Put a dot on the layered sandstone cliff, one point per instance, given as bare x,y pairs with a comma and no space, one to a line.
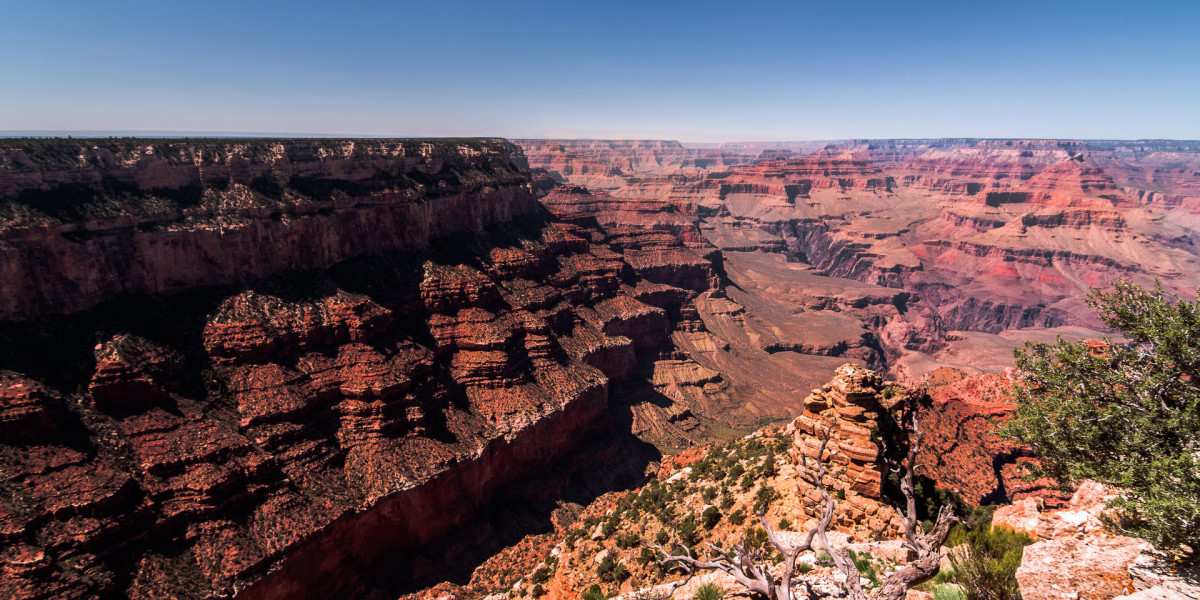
337,415
83,221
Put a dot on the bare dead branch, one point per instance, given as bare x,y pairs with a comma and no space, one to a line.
750,570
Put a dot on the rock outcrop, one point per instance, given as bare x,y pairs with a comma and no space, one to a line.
847,411
1075,556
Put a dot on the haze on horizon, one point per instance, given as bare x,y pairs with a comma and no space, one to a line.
693,71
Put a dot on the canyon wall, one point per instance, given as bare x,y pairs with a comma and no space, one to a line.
216,386
355,368
84,221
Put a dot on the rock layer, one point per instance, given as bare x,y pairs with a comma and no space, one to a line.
84,221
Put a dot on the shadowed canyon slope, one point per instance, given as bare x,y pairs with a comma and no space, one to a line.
236,368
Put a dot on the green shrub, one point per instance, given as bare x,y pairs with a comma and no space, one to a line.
689,532
804,567
612,571
537,591
1124,415
784,523
738,516
756,537
866,566
748,480
609,526
593,593
737,470
986,567
709,591
542,575
710,517
765,496
628,540
947,592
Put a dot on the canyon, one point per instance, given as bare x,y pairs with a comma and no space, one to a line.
997,241
359,368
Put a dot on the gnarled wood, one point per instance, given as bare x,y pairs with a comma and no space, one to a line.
752,572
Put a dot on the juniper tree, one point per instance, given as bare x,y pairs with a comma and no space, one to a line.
1124,414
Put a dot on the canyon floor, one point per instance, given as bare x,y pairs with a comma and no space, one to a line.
375,368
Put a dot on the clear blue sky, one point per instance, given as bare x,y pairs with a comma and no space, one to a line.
698,71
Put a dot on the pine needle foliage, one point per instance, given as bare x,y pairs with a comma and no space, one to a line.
1126,415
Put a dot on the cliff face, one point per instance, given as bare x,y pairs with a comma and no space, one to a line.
81,222
337,397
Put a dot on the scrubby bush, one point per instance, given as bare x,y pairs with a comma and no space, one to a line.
628,540
738,516
609,526
593,593
710,517
766,495
947,592
709,591
866,565
612,571
689,533
986,565
661,537
727,501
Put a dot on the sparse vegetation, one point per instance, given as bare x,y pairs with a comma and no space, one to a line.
611,570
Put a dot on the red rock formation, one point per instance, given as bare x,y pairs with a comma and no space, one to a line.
848,409
965,453
258,440
605,164
227,212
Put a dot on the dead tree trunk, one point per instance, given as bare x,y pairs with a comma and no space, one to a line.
753,572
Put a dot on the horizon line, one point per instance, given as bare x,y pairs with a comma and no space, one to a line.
170,134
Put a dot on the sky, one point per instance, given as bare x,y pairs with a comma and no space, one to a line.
695,71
